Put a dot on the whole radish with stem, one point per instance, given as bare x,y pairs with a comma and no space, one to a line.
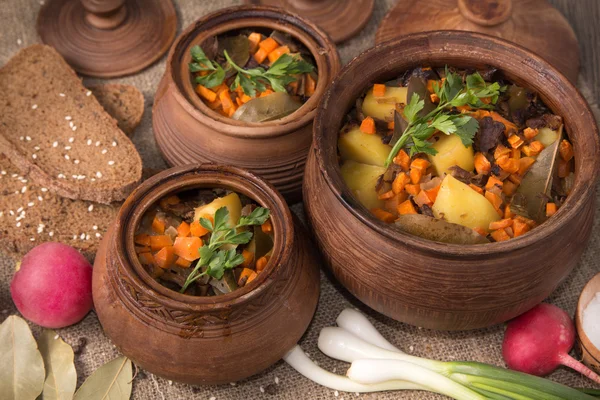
539,341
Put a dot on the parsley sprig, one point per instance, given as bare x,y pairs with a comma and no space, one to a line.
452,93
215,260
280,74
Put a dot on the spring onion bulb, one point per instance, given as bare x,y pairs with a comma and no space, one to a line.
356,323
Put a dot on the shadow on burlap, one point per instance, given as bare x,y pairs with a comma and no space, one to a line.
482,345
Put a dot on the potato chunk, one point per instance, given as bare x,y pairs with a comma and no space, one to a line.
361,180
450,152
459,204
363,148
547,136
231,201
383,107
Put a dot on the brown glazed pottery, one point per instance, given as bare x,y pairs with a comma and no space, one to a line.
205,340
432,284
188,131
590,354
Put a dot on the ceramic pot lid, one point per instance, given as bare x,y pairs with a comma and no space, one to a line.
341,19
533,24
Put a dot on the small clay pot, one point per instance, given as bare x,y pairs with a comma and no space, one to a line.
205,340
590,354
438,285
188,131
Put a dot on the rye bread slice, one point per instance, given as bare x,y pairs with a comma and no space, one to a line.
58,135
31,214
125,103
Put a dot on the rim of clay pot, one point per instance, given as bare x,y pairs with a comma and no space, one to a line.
584,340
185,178
313,38
462,49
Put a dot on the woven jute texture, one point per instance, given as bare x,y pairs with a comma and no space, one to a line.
17,18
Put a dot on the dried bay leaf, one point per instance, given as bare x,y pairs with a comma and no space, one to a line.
237,47
400,126
21,365
61,377
418,85
438,230
262,109
112,381
537,182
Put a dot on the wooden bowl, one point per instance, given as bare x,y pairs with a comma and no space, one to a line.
205,340
188,131
590,354
438,285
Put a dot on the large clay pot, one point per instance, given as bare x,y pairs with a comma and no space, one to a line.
205,340
188,131
432,284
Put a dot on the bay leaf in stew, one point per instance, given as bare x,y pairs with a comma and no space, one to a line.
237,47
438,230
225,285
262,109
419,86
400,126
285,39
537,182
211,47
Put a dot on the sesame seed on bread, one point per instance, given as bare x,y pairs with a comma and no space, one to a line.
57,134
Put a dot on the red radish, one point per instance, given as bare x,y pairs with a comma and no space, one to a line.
53,286
538,341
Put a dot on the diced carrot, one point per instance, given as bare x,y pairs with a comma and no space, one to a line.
433,192
530,222
551,209
266,93
188,248
564,168
142,239
533,149
509,127
368,126
509,231
239,101
261,263
482,164
310,85
507,212
500,235
383,215
566,150
248,258
420,164
378,90
494,199
509,188
493,181
158,225
486,100
244,276
268,45
278,52
220,89
430,83
476,188
413,189
294,87
165,257
510,165
182,262
520,228
392,204
245,98
515,141
434,98
422,199
416,175
403,160
146,258
231,110
390,125
183,229
387,195
165,202
206,93
254,38
406,207
267,227
142,249
481,231
516,154
160,241
225,97
252,277
260,56
501,151
530,133
503,223
516,179
524,164
464,109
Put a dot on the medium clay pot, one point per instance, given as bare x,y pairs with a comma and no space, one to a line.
432,284
205,340
188,131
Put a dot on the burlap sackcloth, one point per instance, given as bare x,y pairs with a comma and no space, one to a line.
17,17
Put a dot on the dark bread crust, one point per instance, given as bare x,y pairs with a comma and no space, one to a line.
42,102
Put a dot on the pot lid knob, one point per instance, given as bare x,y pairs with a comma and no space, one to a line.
486,12
104,14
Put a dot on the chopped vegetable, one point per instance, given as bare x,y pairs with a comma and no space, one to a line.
368,126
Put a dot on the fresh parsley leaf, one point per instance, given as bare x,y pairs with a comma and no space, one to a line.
213,79
413,107
232,259
257,217
421,146
453,85
466,128
206,224
443,123
221,219
240,238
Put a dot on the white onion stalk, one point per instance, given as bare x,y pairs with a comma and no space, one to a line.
356,323
375,371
